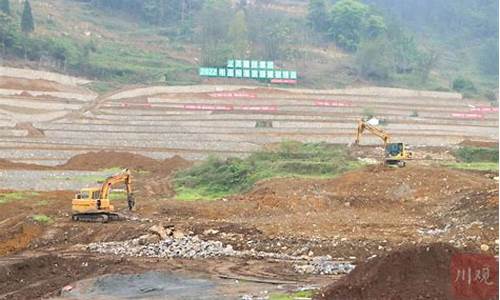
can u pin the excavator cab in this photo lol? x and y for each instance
(394, 149)
(396, 154)
(88, 201)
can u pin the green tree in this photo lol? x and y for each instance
(346, 26)
(374, 59)
(464, 86)
(374, 26)
(350, 21)
(425, 62)
(275, 40)
(214, 21)
(5, 6)
(238, 35)
(27, 22)
(405, 49)
(9, 36)
(488, 57)
(317, 16)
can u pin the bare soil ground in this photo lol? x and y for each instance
(361, 213)
(16, 83)
(412, 273)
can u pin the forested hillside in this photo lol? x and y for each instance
(442, 45)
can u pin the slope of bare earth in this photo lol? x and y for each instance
(25, 84)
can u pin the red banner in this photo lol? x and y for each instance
(230, 107)
(207, 107)
(467, 116)
(484, 109)
(257, 108)
(333, 103)
(233, 95)
(287, 81)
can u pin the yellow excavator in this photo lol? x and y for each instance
(396, 154)
(93, 204)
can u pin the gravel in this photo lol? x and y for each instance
(323, 265)
(192, 247)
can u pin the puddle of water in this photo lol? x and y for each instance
(150, 285)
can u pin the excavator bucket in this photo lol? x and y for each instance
(130, 201)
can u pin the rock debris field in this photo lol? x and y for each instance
(192, 247)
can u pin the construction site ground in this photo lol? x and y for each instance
(48, 130)
(362, 213)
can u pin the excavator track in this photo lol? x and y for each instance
(97, 217)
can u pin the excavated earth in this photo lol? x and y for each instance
(366, 212)
(411, 273)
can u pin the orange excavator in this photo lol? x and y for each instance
(93, 204)
(396, 154)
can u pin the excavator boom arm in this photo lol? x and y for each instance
(382, 134)
(123, 177)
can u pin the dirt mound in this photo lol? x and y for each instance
(32, 130)
(19, 240)
(414, 273)
(109, 159)
(159, 184)
(478, 206)
(9, 165)
(288, 194)
(378, 184)
(39, 277)
(155, 183)
(168, 165)
(373, 185)
(475, 143)
(16, 83)
(93, 161)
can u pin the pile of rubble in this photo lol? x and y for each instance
(323, 265)
(169, 243)
(184, 247)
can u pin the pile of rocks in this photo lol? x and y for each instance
(183, 247)
(168, 243)
(323, 265)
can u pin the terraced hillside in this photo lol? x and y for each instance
(47, 118)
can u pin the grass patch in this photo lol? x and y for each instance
(291, 296)
(120, 63)
(477, 154)
(192, 194)
(474, 166)
(44, 219)
(14, 196)
(102, 87)
(42, 203)
(475, 159)
(215, 178)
